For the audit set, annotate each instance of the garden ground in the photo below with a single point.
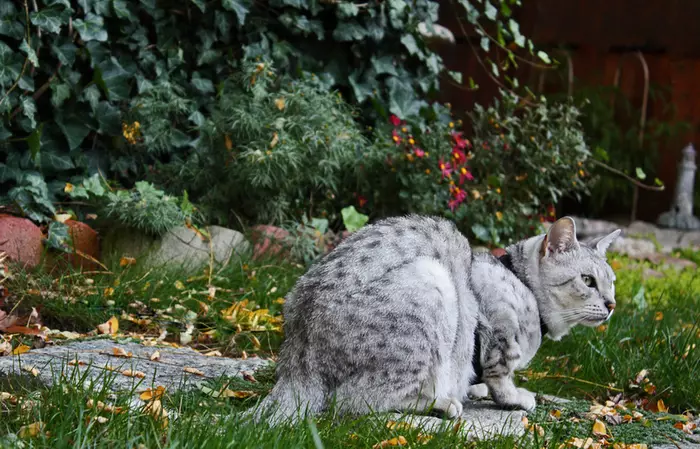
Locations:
(634, 380)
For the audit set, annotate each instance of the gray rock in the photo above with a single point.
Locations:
(633, 247)
(676, 445)
(669, 239)
(179, 248)
(52, 363)
(480, 420)
(586, 227)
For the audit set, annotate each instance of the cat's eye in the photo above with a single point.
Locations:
(588, 280)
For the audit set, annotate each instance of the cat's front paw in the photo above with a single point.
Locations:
(454, 410)
(526, 400)
(478, 391)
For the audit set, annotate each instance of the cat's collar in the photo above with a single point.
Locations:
(507, 261)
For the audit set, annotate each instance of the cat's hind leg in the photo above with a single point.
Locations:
(450, 407)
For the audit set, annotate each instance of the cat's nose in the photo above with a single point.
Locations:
(610, 305)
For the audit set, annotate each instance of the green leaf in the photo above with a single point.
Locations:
(52, 160)
(9, 25)
(403, 101)
(346, 10)
(10, 65)
(544, 57)
(200, 4)
(29, 109)
(121, 9)
(34, 142)
(481, 233)
(31, 54)
(109, 119)
(74, 130)
(93, 185)
(59, 237)
(60, 92)
(92, 28)
(51, 19)
(349, 31)
(411, 45)
(352, 219)
(490, 11)
(639, 299)
(640, 173)
(202, 84)
(64, 50)
(178, 139)
(485, 42)
(92, 95)
(384, 64)
(515, 31)
(457, 76)
(360, 90)
(114, 79)
(658, 182)
(238, 7)
(8, 173)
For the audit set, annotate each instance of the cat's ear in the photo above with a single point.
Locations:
(560, 238)
(601, 244)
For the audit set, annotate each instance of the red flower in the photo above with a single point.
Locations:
(394, 120)
(453, 204)
(418, 152)
(458, 194)
(395, 137)
(361, 200)
(465, 174)
(445, 168)
(460, 142)
(458, 156)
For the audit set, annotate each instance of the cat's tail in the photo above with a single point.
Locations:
(289, 401)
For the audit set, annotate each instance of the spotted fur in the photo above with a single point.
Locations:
(388, 320)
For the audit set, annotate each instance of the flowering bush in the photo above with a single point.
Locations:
(500, 182)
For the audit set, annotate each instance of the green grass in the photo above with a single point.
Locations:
(590, 364)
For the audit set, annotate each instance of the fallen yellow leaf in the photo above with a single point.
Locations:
(31, 370)
(127, 261)
(393, 425)
(109, 327)
(21, 349)
(155, 409)
(121, 352)
(599, 428)
(155, 357)
(280, 103)
(658, 316)
(555, 414)
(31, 430)
(149, 394)
(214, 353)
(396, 441)
(132, 373)
(179, 285)
(109, 291)
(255, 341)
(661, 406)
(189, 369)
(101, 419)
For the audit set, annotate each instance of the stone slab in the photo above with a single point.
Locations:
(480, 420)
(52, 364)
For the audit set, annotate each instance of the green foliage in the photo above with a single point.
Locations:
(143, 207)
(75, 74)
(499, 185)
(352, 219)
(270, 148)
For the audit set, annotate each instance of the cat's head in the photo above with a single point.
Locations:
(576, 279)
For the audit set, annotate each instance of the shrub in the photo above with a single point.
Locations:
(270, 149)
(501, 182)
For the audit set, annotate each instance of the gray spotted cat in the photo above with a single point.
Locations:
(402, 316)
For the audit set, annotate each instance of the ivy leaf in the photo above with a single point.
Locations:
(50, 19)
(515, 31)
(349, 31)
(29, 109)
(384, 64)
(93, 185)
(121, 9)
(485, 42)
(34, 142)
(402, 99)
(52, 160)
(457, 76)
(490, 11)
(200, 4)
(544, 57)
(64, 50)
(92, 28)
(361, 90)
(411, 45)
(352, 219)
(114, 79)
(109, 119)
(74, 130)
(8, 173)
(59, 236)
(92, 95)
(10, 65)
(9, 26)
(202, 84)
(4, 133)
(346, 10)
(481, 233)
(60, 92)
(29, 51)
(178, 139)
(238, 7)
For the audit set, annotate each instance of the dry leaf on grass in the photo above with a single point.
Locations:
(156, 410)
(396, 441)
(101, 406)
(599, 428)
(155, 357)
(75, 362)
(31, 430)
(686, 427)
(393, 425)
(150, 393)
(21, 349)
(248, 376)
(110, 327)
(189, 369)
(214, 353)
(31, 370)
(126, 261)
